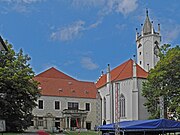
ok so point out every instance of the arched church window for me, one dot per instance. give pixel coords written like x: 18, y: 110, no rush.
x: 122, y: 106
x: 140, y: 62
x: 104, y: 108
x: 139, y: 45
x: 156, y: 48
x: 156, y: 43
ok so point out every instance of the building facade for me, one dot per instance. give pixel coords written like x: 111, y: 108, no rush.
x: 121, y: 87
x: 65, y: 103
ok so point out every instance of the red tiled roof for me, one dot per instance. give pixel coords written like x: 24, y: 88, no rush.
x: 54, y: 73
x: 123, y: 71
x: 56, y: 83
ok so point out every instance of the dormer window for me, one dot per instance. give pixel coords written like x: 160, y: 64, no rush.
x: 60, y: 90
x: 86, y: 92
x: 69, y: 83
x: 73, y: 91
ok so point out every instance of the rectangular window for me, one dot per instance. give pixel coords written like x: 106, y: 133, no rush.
x: 87, y: 106
x: 57, y: 119
x: 32, y: 123
x: 40, y: 121
x: 88, y: 125
x: 73, y: 106
x: 57, y: 105
x: 40, y: 104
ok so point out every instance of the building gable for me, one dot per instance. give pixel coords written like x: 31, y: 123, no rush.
x: 54, y: 73
x: 55, y: 83
x: 122, y: 72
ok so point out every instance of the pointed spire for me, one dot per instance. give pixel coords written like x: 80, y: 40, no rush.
x: 134, y: 66
x: 108, y: 73
x: 146, y: 12
x: 136, y: 33
x: 102, y: 72
x: 159, y: 29
x: 152, y: 29
x: 141, y: 29
x: 147, y: 25
x: 108, y: 68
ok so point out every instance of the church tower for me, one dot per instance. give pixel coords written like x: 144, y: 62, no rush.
x: 148, y: 42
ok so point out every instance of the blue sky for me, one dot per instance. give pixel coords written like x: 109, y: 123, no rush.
x: 80, y: 37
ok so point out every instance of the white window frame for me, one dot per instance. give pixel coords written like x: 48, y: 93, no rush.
x: 43, y: 104
x: 122, y: 106
x: 89, y: 106
x: 73, y: 102
x: 40, y: 121
x: 55, y: 105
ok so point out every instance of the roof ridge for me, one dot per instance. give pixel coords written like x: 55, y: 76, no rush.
x: 100, y: 78
x: 56, y: 70
x: 121, y: 70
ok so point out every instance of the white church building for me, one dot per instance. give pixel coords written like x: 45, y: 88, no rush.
x: 121, y: 87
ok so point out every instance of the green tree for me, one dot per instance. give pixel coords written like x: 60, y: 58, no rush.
x: 164, y: 80
x: 18, y: 90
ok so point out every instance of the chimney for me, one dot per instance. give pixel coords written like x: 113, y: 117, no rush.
x: 134, y: 65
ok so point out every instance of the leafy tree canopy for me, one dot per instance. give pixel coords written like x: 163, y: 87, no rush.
x: 18, y: 90
x: 164, y: 80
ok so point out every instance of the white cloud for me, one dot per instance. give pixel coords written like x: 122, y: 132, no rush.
x: 70, y: 32
x: 121, y: 26
x: 94, y: 25
x: 21, y: 6
x: 74, y: 30
x: 108, y: 6
x: 87, y: 63
x: 87, y: 3
x: 126, y: 6
x: 67, y: 63
x: 119, y: 6
x: 171, y: 33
